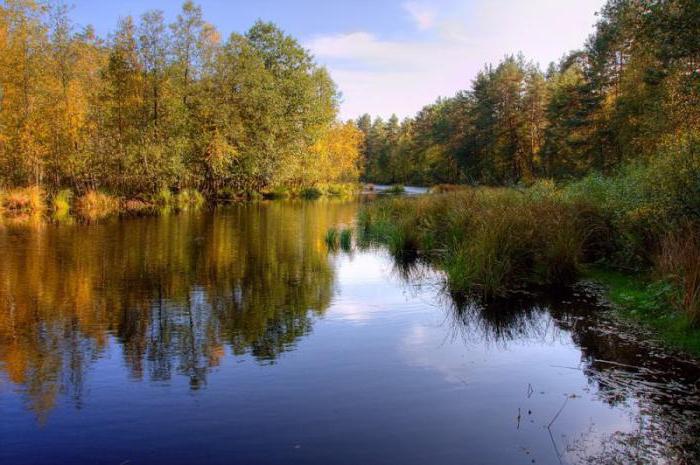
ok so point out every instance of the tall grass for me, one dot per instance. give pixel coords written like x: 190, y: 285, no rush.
x: 61, y: 202
x: 489, y: 241
x: 679, y: 262
x: 345, y: 239
x: 96, y: 205
x: 27, y: 200
x: 189, y: 198
x: 331, y: 238
x: 492, y: 241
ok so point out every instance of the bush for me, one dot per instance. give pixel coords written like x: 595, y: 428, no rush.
x: 95, y: 205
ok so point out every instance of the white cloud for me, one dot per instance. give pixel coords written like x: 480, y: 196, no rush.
x: 423, y: 15
x: 381, y: 76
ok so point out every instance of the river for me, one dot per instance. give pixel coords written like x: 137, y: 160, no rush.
x: 233, y: 335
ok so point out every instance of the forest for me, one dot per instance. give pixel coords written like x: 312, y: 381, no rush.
x: 588, y: 170
x: 633, y: 87
x: 158, y: 107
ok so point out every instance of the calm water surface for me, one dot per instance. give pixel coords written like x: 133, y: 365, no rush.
x: 235, y: 337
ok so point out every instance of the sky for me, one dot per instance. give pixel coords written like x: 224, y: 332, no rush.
x: 391, y: 56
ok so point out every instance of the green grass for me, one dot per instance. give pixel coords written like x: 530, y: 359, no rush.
x: 346, y: 239
x: 648, y: 302
x: 332, y: 238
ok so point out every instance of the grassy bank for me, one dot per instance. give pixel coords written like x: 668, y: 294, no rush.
x: 35, y: 201
x: 494, y: 241
x: 650, y: 302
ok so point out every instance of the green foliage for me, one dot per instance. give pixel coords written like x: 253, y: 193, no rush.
x: 633, y: 86
x: 61, y: 202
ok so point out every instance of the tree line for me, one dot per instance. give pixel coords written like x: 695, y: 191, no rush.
x: 158, y: 105
x: 633, y: 85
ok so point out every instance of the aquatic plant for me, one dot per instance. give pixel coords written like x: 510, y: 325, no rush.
x: 331, y: 238
x: 346, y: 239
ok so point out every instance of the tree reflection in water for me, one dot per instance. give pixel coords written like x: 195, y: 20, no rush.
x: 173, y: 291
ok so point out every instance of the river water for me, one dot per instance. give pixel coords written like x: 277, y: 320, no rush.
x: 233, y: 336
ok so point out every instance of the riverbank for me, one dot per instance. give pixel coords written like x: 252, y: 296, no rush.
x: 34, y: 201
x: 492, y: 242
x: 648, y: 302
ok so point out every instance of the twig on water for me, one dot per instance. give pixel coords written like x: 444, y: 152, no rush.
x: 558, y: 413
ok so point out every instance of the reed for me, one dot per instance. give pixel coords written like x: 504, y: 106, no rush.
x: 345, y: 239
x: 95, y: 205
x: 679, y: 262
x: 27, y: 200
x: 331, y: 238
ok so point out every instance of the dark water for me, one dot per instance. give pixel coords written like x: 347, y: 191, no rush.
x: 234, y: 337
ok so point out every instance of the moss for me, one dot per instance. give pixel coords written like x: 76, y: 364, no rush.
x: 641, y: 299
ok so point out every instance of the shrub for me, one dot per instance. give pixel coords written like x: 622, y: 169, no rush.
x: 95, y: 205
x: 139, y: 207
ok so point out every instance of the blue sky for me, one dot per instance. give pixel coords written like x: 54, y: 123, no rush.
x: 391, y: 56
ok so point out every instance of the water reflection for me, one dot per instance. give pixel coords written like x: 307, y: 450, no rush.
x: 407, y: 370
x: 173, y: 291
